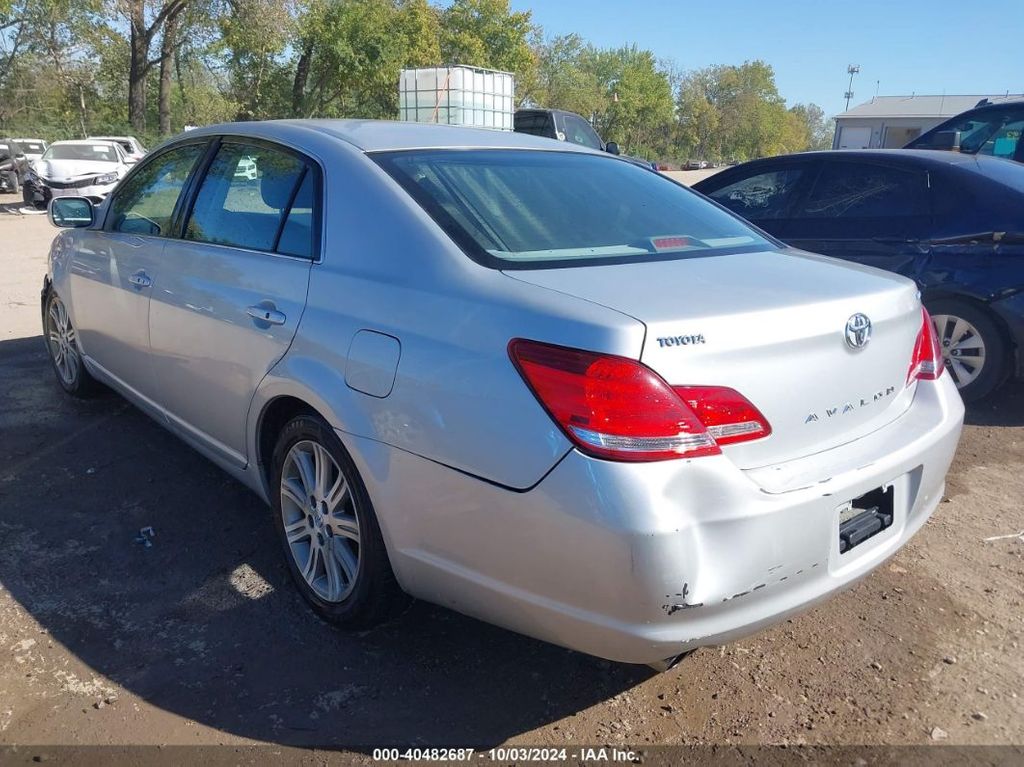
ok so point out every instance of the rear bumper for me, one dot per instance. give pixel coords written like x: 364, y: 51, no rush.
x: 640, y: 562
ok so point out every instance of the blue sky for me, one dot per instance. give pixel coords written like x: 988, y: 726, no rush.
x: 913, y: 46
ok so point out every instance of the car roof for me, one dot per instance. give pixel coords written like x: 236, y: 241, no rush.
x: 918, y: 157
x: 1006, y: 172
x: 384, y: 135
x: 112, y: 138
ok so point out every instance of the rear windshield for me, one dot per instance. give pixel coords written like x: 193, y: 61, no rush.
x: 97, y: 152
x: 527, y: 209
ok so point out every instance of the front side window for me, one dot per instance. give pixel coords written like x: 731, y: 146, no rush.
x: 991, y: 132
x: 846, y: 190
x: 763, y: 196
x: 245, y: 198
x: 521, y: 209
x: 144, y: 202
x: 578, y: 131
x: 1003, y: 141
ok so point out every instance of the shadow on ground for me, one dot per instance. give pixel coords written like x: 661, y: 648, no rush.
x: 205, y: 623
x: 1004, y: 408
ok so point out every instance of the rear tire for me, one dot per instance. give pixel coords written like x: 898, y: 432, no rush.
x: 974, y: 349
x: 328, y: 529
x: 64, y: 351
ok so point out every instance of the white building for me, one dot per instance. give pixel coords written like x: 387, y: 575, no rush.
x: 889, y: 122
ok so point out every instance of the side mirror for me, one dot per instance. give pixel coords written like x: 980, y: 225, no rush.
x: 130, y: 160
x: 70, y: 212
x: 948, y: 140
x: 611, y: 148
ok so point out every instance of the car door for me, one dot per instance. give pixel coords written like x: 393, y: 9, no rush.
x: 865, y: 211
x: 763, y: 194
x: 227, y: 305
x: 113, y: 268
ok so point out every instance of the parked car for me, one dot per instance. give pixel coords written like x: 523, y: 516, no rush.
x: 12, y: 163
x: 950, y: 222
x: 621, y: 420
x: 247, y: 169
x: 32, y: 148
x: 988, y: 129
x: 133, y: 149
x: 568, y: 126
x: 89, y: 168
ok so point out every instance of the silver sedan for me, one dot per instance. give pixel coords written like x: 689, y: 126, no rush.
x: 530, y: 382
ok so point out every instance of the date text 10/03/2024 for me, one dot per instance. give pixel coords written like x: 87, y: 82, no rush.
x: 505, y: 754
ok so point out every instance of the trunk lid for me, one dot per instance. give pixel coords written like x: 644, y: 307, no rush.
x: 771, y: 325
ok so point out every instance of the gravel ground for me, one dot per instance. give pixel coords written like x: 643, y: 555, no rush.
x: 198, y: 638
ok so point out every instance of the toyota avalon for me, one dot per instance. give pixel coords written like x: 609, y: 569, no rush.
x: 525, y: 380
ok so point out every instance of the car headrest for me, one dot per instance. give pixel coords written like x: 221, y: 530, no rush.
x: 276, y: 185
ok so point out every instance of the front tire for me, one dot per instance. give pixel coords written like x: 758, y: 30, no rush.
x: 330, y: 535
x: 65, y: 354
x: 974, y: 350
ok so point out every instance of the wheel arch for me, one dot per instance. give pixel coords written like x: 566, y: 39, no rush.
x: 274, y: 414
x: 980, y: 304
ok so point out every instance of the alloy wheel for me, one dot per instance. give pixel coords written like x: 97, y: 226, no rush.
x: 963, y: 349
x: 60, y: 335
x: 320, y: 522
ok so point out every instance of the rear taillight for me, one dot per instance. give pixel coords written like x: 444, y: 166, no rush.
x: 618, y: 408
x: 728, y: 416
x: 927, y: 363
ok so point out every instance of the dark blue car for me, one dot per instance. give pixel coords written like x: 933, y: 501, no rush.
x: 952, y: 222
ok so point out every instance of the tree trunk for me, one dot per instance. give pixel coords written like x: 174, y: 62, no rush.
x: 167, y: 50
x: 82, y: 114
x: 301, y: 78
x: 138, y: 66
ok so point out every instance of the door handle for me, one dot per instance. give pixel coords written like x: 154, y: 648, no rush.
x: 266, y: 314
x: 140, y: 280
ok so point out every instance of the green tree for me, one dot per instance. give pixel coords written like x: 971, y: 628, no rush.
x: 487, y: 33
x: 564, y: 77
x: 638, y: 106
x: 819, y: 130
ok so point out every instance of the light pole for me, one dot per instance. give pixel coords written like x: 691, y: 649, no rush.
x: 852, y: 69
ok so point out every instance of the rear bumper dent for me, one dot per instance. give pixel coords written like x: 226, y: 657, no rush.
x: 639, y: 562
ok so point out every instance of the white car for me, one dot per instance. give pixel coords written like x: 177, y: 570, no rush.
x: 133, y: 149
x: 246, y: 169
x: 88, y: 168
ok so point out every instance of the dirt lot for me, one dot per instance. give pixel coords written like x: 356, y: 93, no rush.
x: 200, y: 638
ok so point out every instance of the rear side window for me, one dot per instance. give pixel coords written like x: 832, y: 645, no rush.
x: 534, y: 123
x: 846, y: 190
x: 763, y: 196
x: 144, y: 202
x: 245, y: 198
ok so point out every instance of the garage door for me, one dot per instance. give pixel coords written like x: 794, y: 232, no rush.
x: 854, y: 138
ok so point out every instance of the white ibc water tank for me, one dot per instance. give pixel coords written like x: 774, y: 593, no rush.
x: 458, y: 95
